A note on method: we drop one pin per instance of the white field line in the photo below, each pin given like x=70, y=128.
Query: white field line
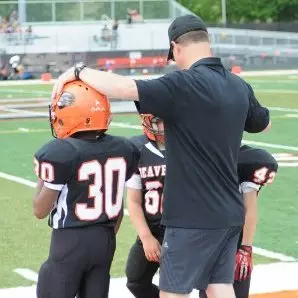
x=27, y=274
x=276, y=146
x=283, y=109
x=260, y=251
x=260, y=73
x=23, y=100
x=277, y=91
x=266, y=278
x=139, y=127
x=17, y=91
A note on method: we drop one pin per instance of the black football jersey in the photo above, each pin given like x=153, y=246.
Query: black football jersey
x=256, y=166
x=90, y=176
x=150, y=178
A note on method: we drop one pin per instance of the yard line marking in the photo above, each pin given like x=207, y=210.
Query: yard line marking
x=257, y=250
x=279, y=91
x=269, y=145
x=288, y=164
x=273, y=255
x=283, y=109
x=291, y=116
x=23, y=100
x=126, y=125
x=139, y=127
x=7, y=91
x=27, y=274
x=17, y=179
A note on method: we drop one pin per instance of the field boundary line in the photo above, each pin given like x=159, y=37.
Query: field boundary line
x=139, y=127
x=258, y=251
x=283, y=109
x=258, y=73
x=27, y=274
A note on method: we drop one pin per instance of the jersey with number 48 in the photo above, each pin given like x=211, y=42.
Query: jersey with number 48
x=256, y=166
x=149, y=178
x=90, y=175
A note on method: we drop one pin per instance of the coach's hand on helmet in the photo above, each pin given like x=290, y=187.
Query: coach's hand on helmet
x=152, y=248
x=63, y=79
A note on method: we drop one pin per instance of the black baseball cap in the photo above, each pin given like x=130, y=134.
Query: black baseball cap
x=182, y=25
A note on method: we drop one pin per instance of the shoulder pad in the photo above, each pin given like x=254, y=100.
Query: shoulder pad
x=57, y=150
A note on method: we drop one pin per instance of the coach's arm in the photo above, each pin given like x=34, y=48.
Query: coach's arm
x=155, y=95
x=110, y=84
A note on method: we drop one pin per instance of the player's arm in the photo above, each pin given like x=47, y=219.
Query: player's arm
x=43, y=200
x=136, y=214
x=53, y=167
x=251, y=217
x=243, y=267
x=150, y=243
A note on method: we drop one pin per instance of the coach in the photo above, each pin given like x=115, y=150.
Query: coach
x=205, y=109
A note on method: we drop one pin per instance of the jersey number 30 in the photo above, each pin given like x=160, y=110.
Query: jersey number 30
x=103, y=202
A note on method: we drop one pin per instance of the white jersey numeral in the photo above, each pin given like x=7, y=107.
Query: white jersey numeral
x=44, y=171
x=153, y=200
x=264, y=176
x=107, y=202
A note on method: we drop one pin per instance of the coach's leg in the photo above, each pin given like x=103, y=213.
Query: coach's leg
x=179, y=262
x=171, y=295
x=222, y=277
x=139, y=272
x=220, y=290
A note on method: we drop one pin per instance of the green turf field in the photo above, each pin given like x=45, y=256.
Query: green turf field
x=25, y=240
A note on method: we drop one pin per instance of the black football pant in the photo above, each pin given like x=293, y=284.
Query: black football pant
x=140, y=272
x=79, y=263
x=241, y=289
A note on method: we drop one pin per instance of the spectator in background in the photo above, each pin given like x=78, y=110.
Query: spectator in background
x=28, y=35
x=4, y=25
x=105, y=33
x=13, y=17
x=115, y=25
x=114, y=39
x=134, y=16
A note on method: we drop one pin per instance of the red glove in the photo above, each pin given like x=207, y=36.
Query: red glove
x=243, y=267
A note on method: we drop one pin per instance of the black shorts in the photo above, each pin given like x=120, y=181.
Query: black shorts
x=79, y=263
x=193, y=258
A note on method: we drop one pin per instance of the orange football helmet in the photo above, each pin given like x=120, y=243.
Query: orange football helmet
x=150, y=128
x=78, y=108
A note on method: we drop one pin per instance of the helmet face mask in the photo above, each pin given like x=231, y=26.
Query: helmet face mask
x=79, y=108
x=151, y=130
